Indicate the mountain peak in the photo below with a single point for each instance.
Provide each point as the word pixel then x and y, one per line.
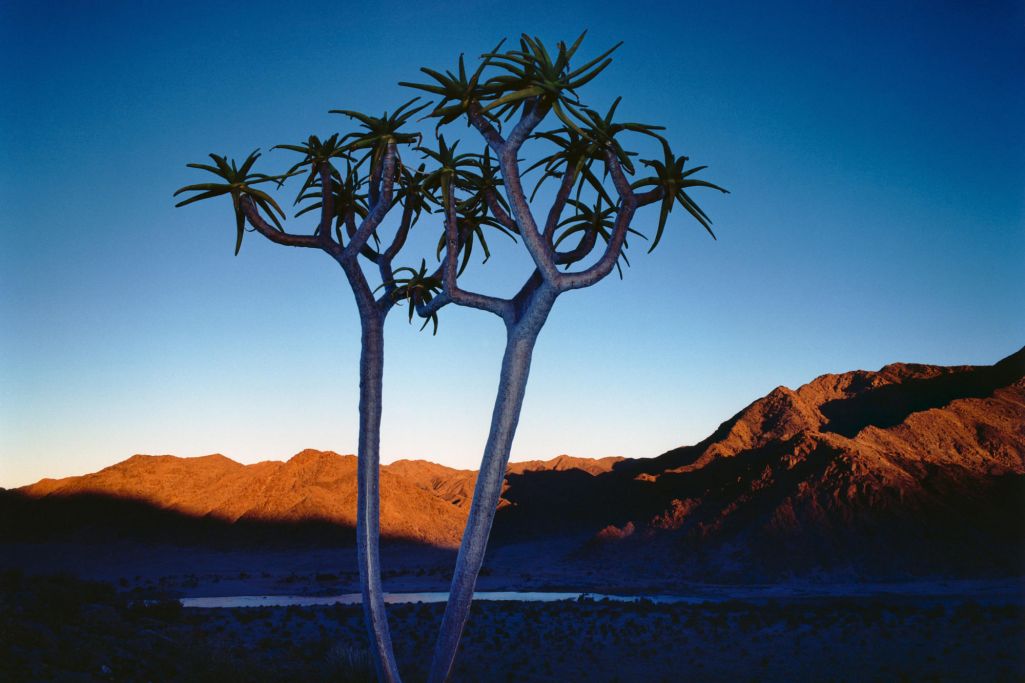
pixel 566 462
pixel 312 455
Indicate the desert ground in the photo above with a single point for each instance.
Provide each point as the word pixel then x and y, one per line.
pixel 132 627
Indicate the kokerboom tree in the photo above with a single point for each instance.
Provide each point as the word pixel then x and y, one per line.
pixel 591 173
pixel 595 182
pixel 352 182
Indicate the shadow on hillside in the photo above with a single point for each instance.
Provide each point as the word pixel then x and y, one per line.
pixel 98 518
pixel 889 405
pixel 959 524
pixel 572 501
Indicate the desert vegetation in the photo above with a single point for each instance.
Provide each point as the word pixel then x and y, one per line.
pixel 60 628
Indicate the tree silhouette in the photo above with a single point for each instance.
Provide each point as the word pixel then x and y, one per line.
pixel 594 176
pixel 527 85
pixel 352 207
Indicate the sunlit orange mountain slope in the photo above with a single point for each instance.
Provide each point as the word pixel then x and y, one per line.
pixel 910 460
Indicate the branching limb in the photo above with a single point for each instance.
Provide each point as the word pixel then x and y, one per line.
pixel 350 229
pixel 533 114
pixel 500 307
pixel 539 251
pixel 374 183
pixel 385 261
pixel 580 252
pixel 401 234
pixel 627 207
pixel 327 207
pixel 378 208
pixel 426 310
pixel 650 197
pixel 485 128
pixel 364 295
pixel 569 177
pixel 500 214
pixel 272 233
pixel 526 293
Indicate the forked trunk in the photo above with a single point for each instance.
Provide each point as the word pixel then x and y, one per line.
pixel 512 385
pixel 371 373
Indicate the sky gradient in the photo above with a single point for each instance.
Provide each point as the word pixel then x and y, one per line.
pixel 875 155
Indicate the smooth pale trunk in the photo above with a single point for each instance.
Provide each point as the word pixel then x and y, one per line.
pixel 512 385
pixel 371 373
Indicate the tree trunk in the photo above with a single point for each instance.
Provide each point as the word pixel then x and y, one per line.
pixel 512 385
pixel 371 373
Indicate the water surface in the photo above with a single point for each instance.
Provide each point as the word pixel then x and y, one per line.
pixel 432 596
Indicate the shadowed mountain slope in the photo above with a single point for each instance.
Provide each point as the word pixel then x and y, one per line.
pixel 912 468
pixel 456 486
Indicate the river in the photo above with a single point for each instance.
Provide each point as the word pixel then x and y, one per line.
pixel 436 596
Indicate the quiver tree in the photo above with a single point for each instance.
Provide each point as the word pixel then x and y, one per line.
pixel 351 183
pixel 354 181
pixel 595 181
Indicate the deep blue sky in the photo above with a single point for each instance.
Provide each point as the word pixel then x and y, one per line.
pixel 875 153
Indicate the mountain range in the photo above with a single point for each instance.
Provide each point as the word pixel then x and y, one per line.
pixel 909 468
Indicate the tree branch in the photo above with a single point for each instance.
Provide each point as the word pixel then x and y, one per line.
pixel 433 306
pixel 374 181
pixel 327 205
pixel 534 111
pixel 442 299
pixel 526 293
pixel 252 213
pixel 386 258
pixel 584 247
pixel 500 307
pixel 627 207
pixel 379 208
pixel 650 197
pixel 484 127
pixel 539 251
pixel 401 234
pixel 365 302
pixel 565 187
pixel 491 197
pixel 350 230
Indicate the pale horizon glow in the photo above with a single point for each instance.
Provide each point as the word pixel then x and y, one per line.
pixel 875 157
